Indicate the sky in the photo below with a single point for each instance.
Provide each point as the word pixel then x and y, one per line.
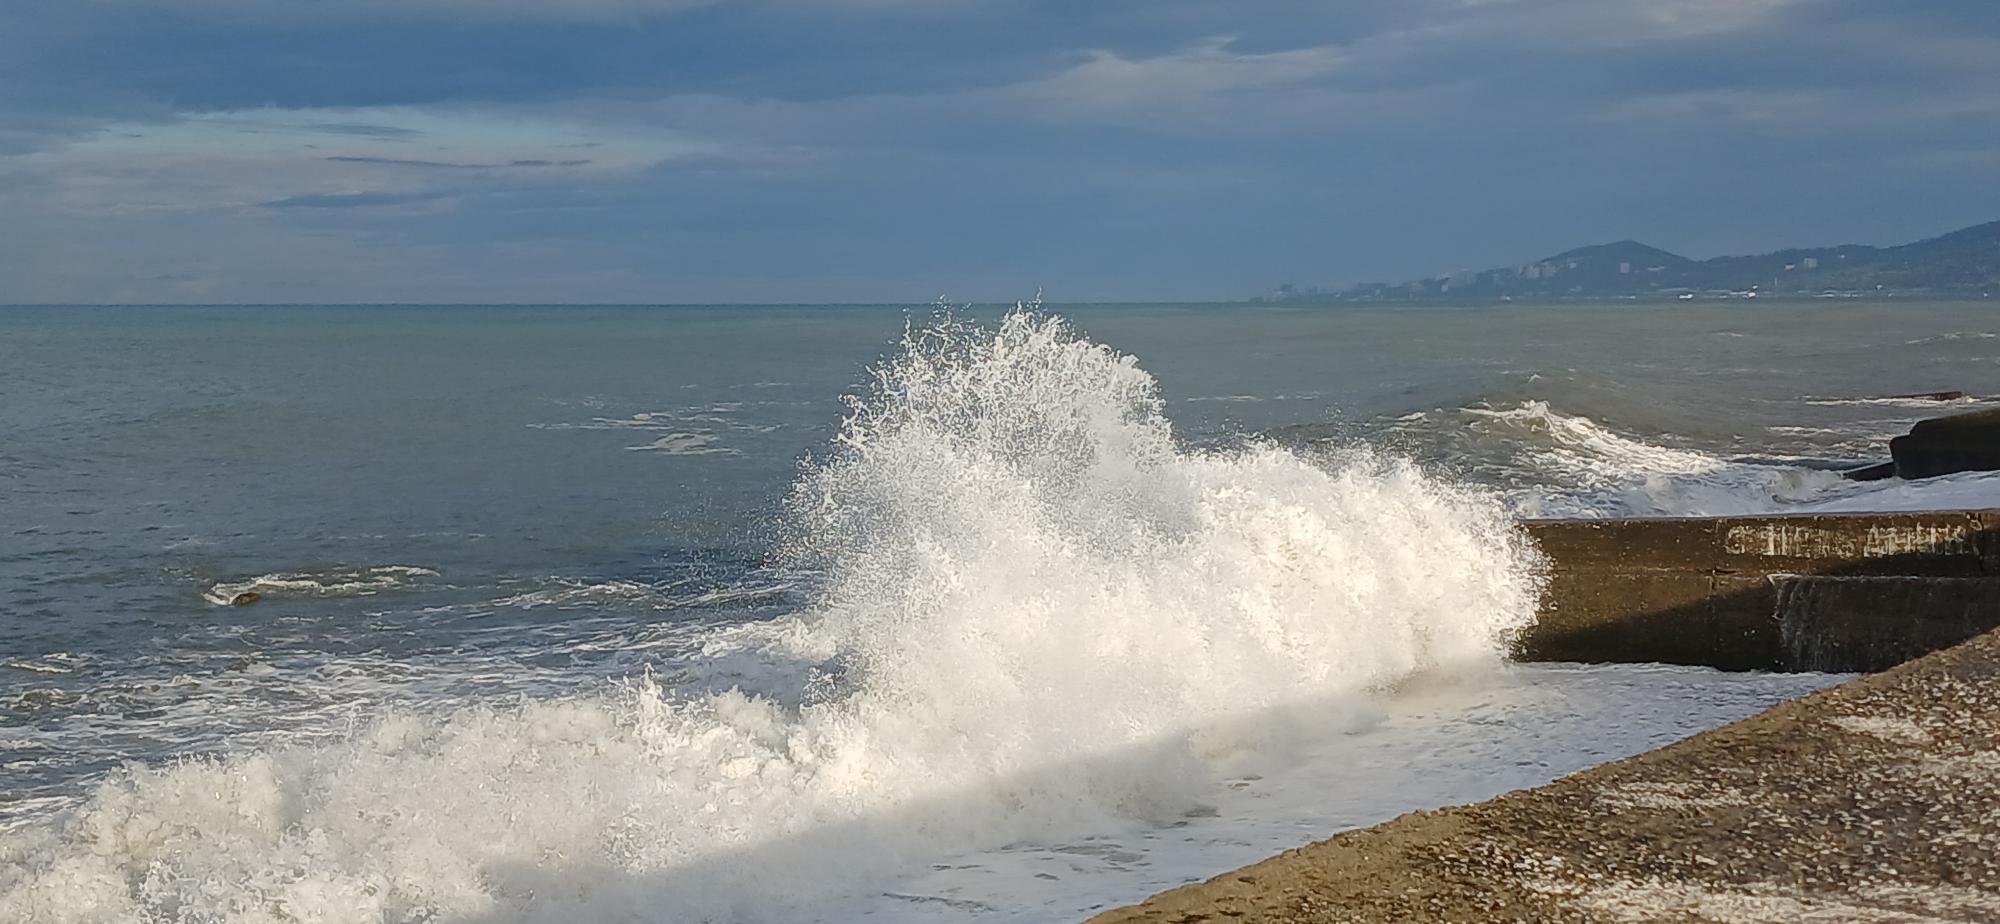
pixel 801 151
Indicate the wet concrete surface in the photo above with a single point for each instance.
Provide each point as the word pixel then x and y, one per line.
pixel 1877 801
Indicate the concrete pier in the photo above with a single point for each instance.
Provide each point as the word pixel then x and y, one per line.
pixel 1848 592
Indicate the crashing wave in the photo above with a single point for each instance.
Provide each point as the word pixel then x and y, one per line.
pixel 1036 610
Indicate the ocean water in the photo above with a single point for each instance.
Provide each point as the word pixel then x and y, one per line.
pixel 682 614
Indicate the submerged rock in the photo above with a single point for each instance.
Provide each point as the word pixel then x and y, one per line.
pixel 245 598
pixel 1875 472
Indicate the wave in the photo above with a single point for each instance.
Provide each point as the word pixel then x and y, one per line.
pixel 564 593
pixel 1569 466
pixel 691 443
pixel 337 582
pixel 1592 470
pixel 1034 610
pixel 58 662
pixel 1578 448
pixel 1964 491
pixel 1953 403
pixel 721 416
pixel 1954 335
pixel 689 431
pixel 1553 464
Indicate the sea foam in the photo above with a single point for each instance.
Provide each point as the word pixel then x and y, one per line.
pixel 1578 468
pixel 1034 613
pixel 337 582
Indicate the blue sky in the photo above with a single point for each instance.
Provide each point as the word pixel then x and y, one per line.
pixel 901 150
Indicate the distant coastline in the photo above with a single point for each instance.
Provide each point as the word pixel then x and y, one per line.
pixel 1963 264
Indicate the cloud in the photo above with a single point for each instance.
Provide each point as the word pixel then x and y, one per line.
pixel 351 200
pixel 1686 18
pixel 307 13
pixel 1194 88
pixel 364 129
pixel 444 165
pixel 1613 23
pixel 1817 111
pixel 302 158
pixel 321 11
pixel 1182 83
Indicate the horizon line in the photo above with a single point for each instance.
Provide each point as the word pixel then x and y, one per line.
pixel 876 304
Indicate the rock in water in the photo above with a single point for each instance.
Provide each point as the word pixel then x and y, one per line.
pixel 1944 445
pixel 245 598
pixel 1875 472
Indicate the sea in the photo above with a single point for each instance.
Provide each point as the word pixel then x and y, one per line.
pixel 925 613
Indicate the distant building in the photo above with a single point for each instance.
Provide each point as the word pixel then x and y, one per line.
pixel 1625 269
pixel 1810 263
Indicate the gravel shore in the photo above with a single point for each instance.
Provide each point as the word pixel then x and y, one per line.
pixel 1878 801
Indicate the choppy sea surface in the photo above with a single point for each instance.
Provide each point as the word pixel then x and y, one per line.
pixel 746 614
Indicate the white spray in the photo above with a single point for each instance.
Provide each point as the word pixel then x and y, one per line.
pixel 1038 613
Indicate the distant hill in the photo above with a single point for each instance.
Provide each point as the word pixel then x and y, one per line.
pixel 1963 263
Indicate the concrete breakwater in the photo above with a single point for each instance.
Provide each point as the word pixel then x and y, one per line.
pixel 1851 592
